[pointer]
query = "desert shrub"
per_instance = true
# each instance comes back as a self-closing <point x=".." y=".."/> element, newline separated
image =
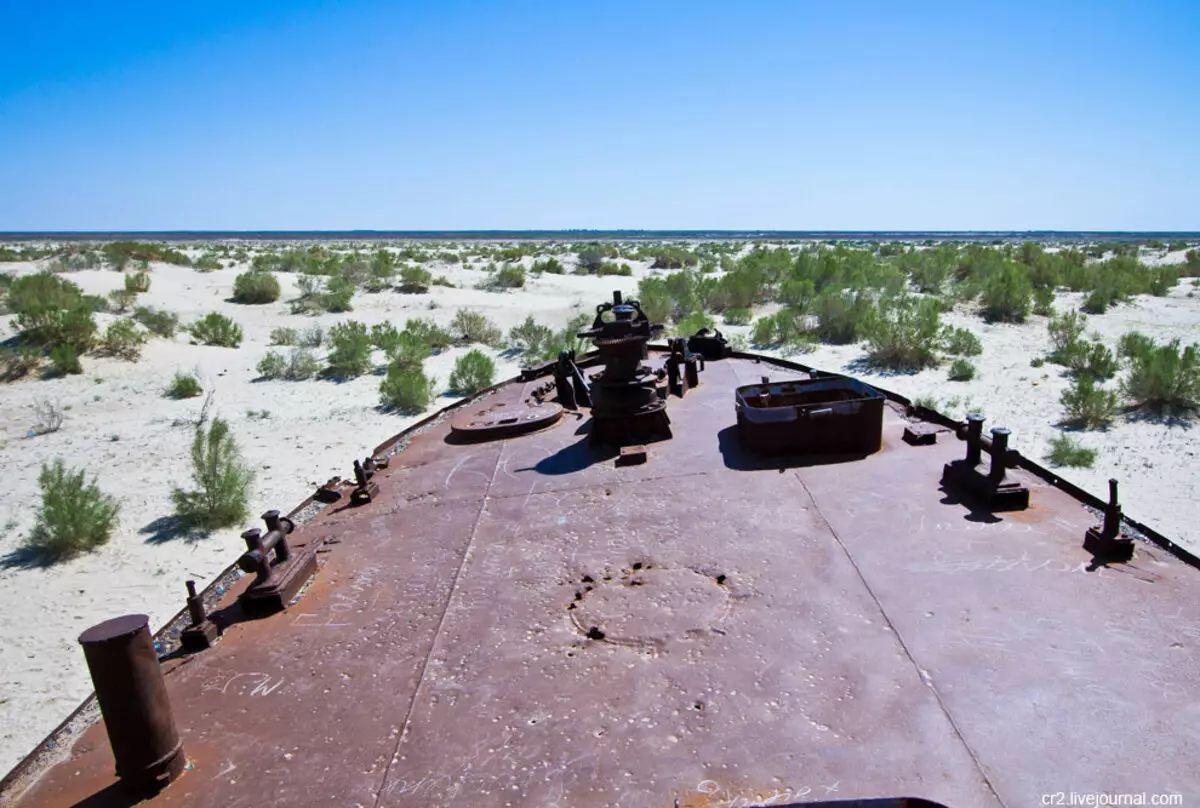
<point x="961" y="370"/>
<point x="406" y="389"/>
<point x="530" y="337"/>
<point x="52" y="311"/>
<point x="216" y="329"/>
<point x="737" y="316"/>
<point x="207" y="262"/>
<point x="221" y="477"/>
<point x="272" y="365"/>
<point x="1091" y="359"/>
<point x="475" y="327"/>
<point x="121" y="300"/>
<point x="1065" y="330"/>
<point x="161" y="323"/>
<point x="1088" y="404"/>
<point x="312" y="337"/>
<point x="1067" y="451"/>
<point x="568" y="338"/>
<point x="1097" y="301"/>
<point x="1163" y="378"/>
<point x="763" y="333"/>
<point x="284" y="336"/>
<point x="738" y="343"/>
<point x="551" y="265"/>
<point x="415" y="280"/>
<point x="120" y="253"/>
<point x="510" y="276"/>
<point x="338" y="295"/>
<point x="48" y="415"/>
<point x="382" y="268"/>
<point x="473" y="371"/>
<point x="301" y="365"/>
<point x="409" y="349"/>
<point x="137" y="282"/>
<point x="655" y="299"/>
<point x="350" y="350"/>
<point x="961" y="342"/>
<point x="385" y="336"/>
<point x="75" y="515"/>
<point x="1006" y="294"/>
<point x="124" y="339"/>
<point x="183" y="385"/>
<point x="695" y="321"/>
<point x="903" y="332"/>
<point x="430" y="333"/>
<point x="65" y="360"/>
<point x="255" y="287"/>
<point x="841" y="315"/>
<point x="1043" y="300"/>
<point x="1134" y="343"/>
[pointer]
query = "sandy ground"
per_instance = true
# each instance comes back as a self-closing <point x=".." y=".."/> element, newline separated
<point x="119" y="424"/>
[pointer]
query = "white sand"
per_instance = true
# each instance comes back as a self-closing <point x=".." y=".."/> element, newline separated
<point x="120" y="425"/>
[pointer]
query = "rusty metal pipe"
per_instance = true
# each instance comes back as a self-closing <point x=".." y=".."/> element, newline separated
<point x="195" y="605"/>
<point x="133" y="700"/>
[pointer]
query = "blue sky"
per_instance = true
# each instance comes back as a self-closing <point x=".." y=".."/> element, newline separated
<point x="611" y="114"/>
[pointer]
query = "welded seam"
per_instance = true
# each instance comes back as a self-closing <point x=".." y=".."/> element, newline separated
<point x="903" y="645"/>
<point x="438" y="632"/>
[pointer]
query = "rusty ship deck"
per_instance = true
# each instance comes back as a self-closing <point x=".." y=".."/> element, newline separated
<point x="525" y="621"/>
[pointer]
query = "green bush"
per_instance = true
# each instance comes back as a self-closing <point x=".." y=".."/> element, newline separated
<point x="162" y="323"/>
<point x="902" y="333"/>
<point x="1133" y="344"/>
<point x="530" y="337"/>
<point x="255" y="287"/>
<point x="841" y="315"/>
<point x="385" y="336"/>
<point x="1006" y="294"/>
<point x="1091" y="359"/>
<point x="350" y="350"/>
<point x="52" y="311"/>
<point x="272" y="365"/>
<point x="222" y="481"/>
<point x="737" y="316"/>
<point x="473" y="371"/>
<point x="510" y="276"/>
<point x="1097" y="301"/>
<point x="415" y="280"/>
<point x="183" y="385"/>
<point x="430" y="333"/>
<point x="1066" y="451"/>
<point x="1164" y="378"/>
<point x="1043" y="301"/>
<point x="1087" y="404"/>
<point x="551" y="265"/>
<point x="961" y="342"/>
<point x="409" y="350"/>
<point x="338" y="295"/>
<point x="216" y="329"/>
<point x="121" y="300"/>
<point x="65" y="360"/>
<point x="695" y="321"/>
<point x="284" y="336"/>
<point x="124" y="339"/>
<point x="137" y="282"/>
<point x="406" y="388"/>
<point x="475" y="327"/>
<point x="207" y="262"/>
<point x="763" y="334"/>
<point x="961" y="370"/>
<point x="655" y="300"/>
<point x="1065" y="330"/>
<point x="75" y="515"/>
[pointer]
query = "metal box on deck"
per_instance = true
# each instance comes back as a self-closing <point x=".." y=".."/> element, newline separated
<point x="810" y="416"/>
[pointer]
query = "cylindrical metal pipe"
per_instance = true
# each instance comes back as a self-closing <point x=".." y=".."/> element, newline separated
<point x="999" y="452"/>
<point x="133" y="700"/>
<point x="1112" y="513"/>
<point x="195" y="605"/>
<point x="974" y="439"/>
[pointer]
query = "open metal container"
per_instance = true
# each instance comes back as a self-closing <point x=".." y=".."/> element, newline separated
<point x="828" y="415"/>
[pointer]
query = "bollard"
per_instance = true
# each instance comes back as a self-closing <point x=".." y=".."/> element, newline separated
<point x="1112" y="511"/>
<point x="974" y="439"/>
<point x="999" y="453"/>
<point x="1105" y="541"/>
<point x="133" y="700"/>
